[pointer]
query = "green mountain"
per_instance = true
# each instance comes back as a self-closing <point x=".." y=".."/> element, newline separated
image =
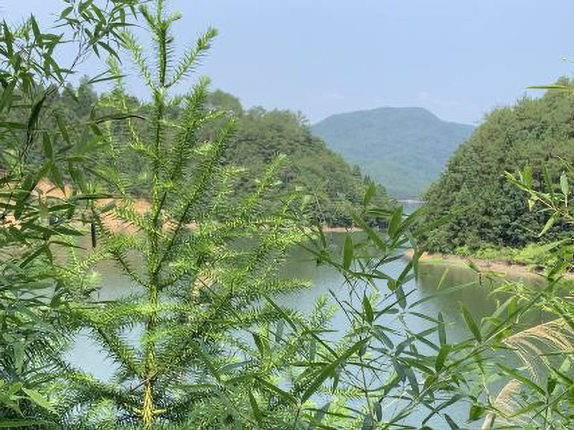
<point x="259" y="137"/>
<point x="404" y="149"/>
<point x="486" y="210"/>
<point x="262" y="134"/>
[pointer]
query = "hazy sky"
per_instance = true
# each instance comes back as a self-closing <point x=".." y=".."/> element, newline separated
<point x="458" y="58"/>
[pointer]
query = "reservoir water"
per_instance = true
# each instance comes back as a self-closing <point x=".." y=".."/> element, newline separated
<point x="86" y="354"/>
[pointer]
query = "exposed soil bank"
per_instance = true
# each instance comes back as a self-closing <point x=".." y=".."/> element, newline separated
<point x="504" y="267"/>
<point x="141" y="206"/>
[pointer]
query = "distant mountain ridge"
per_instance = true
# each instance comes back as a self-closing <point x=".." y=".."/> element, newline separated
<point x="404" y="149"/>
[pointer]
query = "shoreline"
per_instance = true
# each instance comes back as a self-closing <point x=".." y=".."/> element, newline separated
<point x="497" y="266"/>
<point x="141" y="206"/>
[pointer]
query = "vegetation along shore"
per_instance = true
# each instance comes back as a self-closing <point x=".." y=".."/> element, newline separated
<point x="210" y="297"/>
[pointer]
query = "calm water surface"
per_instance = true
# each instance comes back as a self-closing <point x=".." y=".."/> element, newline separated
<point x="88" y="356"/>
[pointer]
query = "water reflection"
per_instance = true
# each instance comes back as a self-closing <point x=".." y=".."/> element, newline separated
<point x="476" y="297"/>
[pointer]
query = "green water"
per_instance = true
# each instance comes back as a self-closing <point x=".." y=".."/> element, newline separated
<point x="87" y="355"/>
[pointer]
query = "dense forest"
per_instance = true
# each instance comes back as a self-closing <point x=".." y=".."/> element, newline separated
<point x="258" y="138"/>
<point x="486" y="210"/>
<point x="405" y="149"/>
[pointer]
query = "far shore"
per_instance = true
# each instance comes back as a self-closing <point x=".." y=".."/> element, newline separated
<point x="496" y="266"/>
<point x="141" y="206"/>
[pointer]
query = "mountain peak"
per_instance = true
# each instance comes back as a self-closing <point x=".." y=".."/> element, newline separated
<point x="403" y="148"/>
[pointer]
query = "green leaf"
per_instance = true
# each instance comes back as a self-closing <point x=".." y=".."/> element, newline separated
<point x="378" y="411"/>
<point x="395" y="222"/>
<point x="380" y="334"/>
<point x="551" y="385"/>
<point x="110" y="50"/>
<point x="283" y="314"/>
<point x="37" y="398"/>
<point x="320" y="413"/>
<point x="47" y="143"/>
<point x="348" y="251"/>
<point x="441" y="357"/>
<point x="476" y="412"/>
<point x="279" y="331"/>
<point x="368" y="423"/>
<point x="255" y="408"/>
<point x="369" y="316"/>
<point x="35" y="115"/>
<point x="379" y="243"/>
<point x="527" y="176"/>
<point x="371" y="190"/>
<point x="411" y="377"/>
<point x="66" y="12"/>
<point x="549" y="223"/>
<point x="283" y="394"/>
<point x="451" y="422"/>
<point x="431" y="226"/>
<point x="18" y="348"/>
<point x="113" y="117"/>
<point x="552" y="87"/>
<point x="12" y="125"/>
<point x="522" y="379"/>
<point x="400" y="295"/>
<point x="548" y="180"/>
<point x="441" y="329"/>
<point x="68" y="231"/>
<point x="329" y="370"/>
<point x="564" y="186"/>
<point x="103" y="78"/>
<point x="260" y="345"/>
<point x="62" y="128"/>
<point x="36" y="31"/>
<point x="470" y="323"/>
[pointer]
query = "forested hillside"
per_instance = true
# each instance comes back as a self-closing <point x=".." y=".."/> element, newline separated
<point x="404" y="149"/>
<point x="487" y="209"/>
<point x="259" y="137"/>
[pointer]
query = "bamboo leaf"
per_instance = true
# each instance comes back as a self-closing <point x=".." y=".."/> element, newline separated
<point x="63" y="129"/>
<point x="371" y="191"/>
<point x="369" y="316"/>
<point x="395" y="222"/>
<point x="329" y="370"/>
<point x="441" y="329"/>
<point x="283" y="394"/>
<point x="549" y="223"/>
<point x="255" y="408"/>
<point x="348" y="251"/>
<point x="368" y="423"/>
<point x="37" y="398"/>
<point x="522" y="379"/>
<point x="441" y="357"/>
<point x="471" y="324"/>
<point x="476" y="412"/>
<point x="451" y="422"/>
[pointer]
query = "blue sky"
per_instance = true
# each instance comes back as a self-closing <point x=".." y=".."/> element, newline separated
<point x="458" y="58"/>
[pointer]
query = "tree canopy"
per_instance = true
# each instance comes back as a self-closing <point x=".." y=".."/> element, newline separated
<point x="485" y="208"/>
<point x="260" y="136"/>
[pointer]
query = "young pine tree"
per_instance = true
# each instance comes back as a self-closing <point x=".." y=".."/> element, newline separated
<point x="200" y="264"/>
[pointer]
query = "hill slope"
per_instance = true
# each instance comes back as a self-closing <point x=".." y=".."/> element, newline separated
<point x="404" y="149"/>
<point x="487" y="210"/>
<point x="259" y="137"/>
<point x="311" y="165"/>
